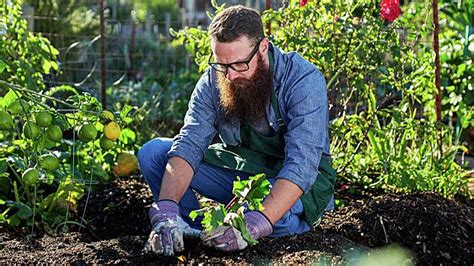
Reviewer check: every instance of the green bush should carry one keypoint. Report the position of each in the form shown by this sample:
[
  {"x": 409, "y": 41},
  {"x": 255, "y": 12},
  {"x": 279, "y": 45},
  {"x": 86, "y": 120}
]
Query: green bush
[
  {"x": 162, "y": 101},
  {"x": 380, "y": 80},
  {"x": 456, "y": 56}
]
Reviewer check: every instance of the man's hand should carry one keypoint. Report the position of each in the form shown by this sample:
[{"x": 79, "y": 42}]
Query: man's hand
[
  {"x": 227, "y": 238},
  {"x": 168, "y": 229}
]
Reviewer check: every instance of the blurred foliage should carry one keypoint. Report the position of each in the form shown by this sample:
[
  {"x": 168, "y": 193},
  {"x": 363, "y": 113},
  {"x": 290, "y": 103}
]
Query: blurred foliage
[
  {"x": 76, "y": 17},
  {"x": 73, "y": 26},
  {"x": 196, "y": 41},
  {"x": 390, "y": 255},
  {"x": 25, "y": 58},
  {"x": 157, "y": 9},
  {"x": 143, "y": 9},
  {"x": 162, "y": 100},
  {"x": 70, "y": 18},
  {"x": 456, "y": 56}
]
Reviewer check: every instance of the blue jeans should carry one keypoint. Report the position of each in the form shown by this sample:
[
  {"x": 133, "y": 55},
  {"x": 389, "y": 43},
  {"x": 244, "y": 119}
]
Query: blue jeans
[{"x": 210, "y": 181}]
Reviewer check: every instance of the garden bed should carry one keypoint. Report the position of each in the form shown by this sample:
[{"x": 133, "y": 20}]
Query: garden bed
[{"x": 434, "y": 229}]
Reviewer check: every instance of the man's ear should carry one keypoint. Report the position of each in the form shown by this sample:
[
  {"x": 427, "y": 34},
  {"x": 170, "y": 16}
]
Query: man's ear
[{"x": 264, "y": 45}]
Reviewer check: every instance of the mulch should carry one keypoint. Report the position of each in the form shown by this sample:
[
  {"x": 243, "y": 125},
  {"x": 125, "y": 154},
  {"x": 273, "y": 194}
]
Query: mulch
[{"x": 433, "y": 229}]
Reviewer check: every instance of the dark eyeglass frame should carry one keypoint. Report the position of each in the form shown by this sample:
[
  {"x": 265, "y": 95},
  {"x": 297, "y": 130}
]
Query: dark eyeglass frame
[{"x": 216, "y": 66}]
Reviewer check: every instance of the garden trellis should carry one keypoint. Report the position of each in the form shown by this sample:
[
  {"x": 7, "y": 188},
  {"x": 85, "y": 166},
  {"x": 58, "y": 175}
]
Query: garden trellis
[{"x": 133, "y": 50}]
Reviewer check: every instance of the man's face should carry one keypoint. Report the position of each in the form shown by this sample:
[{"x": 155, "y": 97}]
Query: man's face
[
  {"x": 243, "y": 94},
  {"x": 240, "y": 50}
]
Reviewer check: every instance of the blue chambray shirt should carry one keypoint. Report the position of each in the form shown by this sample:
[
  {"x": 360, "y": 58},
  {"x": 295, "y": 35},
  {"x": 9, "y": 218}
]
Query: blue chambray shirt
[{"x": 301, "y": 92}]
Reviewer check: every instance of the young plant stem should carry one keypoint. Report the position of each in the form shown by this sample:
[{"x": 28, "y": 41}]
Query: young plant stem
[
  {"x": 15, "y": 191},
  {"x": 236, "y": 199},
  {"x": 25, "y": 155},
  {"x": 89, "y": 189},
  {"x": 15, "y": 87},
  {"x": 15, "y": 174},
  {"x": 231, "y": 203},
  {"x": 66, "y": 223},
  {"x": 27, "y": 112},
  {"x": 27, "y": 191},
  {"x": 341, "y": 68},
  {"x": 34, "y": 211}
]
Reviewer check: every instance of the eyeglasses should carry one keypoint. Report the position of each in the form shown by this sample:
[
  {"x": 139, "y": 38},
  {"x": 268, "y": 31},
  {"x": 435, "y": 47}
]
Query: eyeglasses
[{"x": 240, "y": 66}]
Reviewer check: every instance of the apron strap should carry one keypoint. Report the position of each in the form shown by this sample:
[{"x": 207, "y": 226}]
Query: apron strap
[
  {"x": 274, "y": 101},
  {"x": 276, "y": 109}
]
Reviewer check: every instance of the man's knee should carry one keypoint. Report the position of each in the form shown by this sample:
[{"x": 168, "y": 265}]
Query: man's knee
[{"x": 153, "y": 154}]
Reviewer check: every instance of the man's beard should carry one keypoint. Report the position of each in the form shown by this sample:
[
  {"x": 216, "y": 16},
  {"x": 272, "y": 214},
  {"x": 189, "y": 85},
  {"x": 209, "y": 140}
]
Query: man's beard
[{"x": 246, "y": 99}]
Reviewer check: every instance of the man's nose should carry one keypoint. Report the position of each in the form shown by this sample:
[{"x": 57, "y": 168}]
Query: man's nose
[{"x": 231, "y": 74}]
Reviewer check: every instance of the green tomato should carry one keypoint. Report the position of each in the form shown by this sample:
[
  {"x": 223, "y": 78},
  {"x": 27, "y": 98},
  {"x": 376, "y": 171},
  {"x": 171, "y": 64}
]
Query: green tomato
[
  {"x": 107, "y": 115},
  {"x": 31, "y": 176},
  {"x": 18, "y": 106},
  {"x": 87, "y": 132},
  {"x": 54, "y": 133},
  {"x": 43, "y": 119},
  {"x": 105, "y": 143},
  {"x": 31, "y": 130},
  {"x": 49, "y": 162}
]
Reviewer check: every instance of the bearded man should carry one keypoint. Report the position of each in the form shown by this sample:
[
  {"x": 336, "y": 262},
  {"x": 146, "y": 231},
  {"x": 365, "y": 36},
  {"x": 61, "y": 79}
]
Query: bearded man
[{"x": 270, "y": 111}]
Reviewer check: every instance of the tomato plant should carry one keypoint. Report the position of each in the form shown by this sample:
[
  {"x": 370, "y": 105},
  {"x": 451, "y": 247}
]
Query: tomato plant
[
  {"x": 49, "y": 144},
  {"x": 247, "y": 194}
]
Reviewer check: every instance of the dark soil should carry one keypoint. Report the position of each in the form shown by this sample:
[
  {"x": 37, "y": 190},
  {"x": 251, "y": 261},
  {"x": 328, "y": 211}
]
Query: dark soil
[{"x": 435, "y": 230}]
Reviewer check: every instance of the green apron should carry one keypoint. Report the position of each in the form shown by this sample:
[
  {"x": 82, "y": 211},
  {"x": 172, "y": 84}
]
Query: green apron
[{"x": 265, "y": 154}]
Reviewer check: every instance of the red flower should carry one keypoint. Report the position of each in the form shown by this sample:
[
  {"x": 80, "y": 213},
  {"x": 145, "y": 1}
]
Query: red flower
[
  {"x": 390, "y": 9},
  {"x": 303, "y": 2}
]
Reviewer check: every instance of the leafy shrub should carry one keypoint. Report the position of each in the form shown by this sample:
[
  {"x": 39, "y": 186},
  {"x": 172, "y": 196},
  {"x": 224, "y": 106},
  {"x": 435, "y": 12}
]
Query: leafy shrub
[
  {"x": 380, "y": 80},
  {"x": 162, "y": 101},
  {"x": 456, "y": 56}
]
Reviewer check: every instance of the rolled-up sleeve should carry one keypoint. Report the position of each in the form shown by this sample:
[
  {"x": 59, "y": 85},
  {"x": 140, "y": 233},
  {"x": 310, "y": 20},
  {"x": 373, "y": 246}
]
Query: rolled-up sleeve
[
  {"x": 199, "y": 125},
  {"x": 306, "y": 108}
]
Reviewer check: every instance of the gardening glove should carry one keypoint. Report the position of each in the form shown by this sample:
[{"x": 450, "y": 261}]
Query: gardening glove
[
  {"x": 228, "y": 238},
  {"x": 168, "y": 228}
]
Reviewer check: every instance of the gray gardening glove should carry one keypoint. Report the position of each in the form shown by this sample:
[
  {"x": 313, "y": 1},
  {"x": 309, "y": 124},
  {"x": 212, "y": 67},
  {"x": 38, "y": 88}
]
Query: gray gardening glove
[
  {"x": 168, "y": 229},
  {"x": 228, "y": 238}
]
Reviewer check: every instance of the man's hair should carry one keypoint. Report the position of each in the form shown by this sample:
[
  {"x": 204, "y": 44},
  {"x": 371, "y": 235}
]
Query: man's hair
[{"x": 235, "y": 22}]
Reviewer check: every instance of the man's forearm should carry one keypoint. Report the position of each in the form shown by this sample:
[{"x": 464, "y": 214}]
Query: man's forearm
[
  {"x": 282, "y": 197},
  {"x": 176, "y": 179}
]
